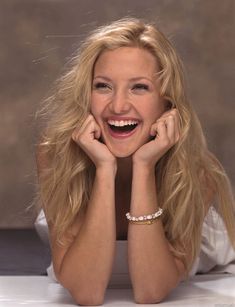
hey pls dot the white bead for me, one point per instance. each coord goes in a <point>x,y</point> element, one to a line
<point>149,217</point>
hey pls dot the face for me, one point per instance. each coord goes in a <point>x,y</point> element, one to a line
<point>125,98</point>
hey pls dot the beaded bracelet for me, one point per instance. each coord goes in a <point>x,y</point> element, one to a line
<point>144,219</point>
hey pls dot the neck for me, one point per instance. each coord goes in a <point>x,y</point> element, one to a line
<point>123,188</point>
<point>124,171</point>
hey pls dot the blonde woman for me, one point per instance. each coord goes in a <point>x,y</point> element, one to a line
<point>123,159</point>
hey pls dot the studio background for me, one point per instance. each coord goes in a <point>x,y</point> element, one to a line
<point>39,36</point>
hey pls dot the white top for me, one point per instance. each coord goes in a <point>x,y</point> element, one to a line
<point>216,255</point>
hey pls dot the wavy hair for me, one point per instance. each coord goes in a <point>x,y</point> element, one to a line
<point>182,173</point>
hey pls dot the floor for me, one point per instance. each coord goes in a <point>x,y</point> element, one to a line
<point>22,253</point>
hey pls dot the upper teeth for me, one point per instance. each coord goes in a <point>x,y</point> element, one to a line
<point>121,123</point>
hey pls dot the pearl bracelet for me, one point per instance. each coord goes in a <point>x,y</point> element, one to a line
<point>144,219</point>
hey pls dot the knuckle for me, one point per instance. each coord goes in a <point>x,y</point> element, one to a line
<point>82,140</point>
<point>166,142</point>
<point>154,126</point>
<point>74,136</point>
<point>161,122</point>
<point>89,116</point>
<point>173,113</point>
<point>177,138</point>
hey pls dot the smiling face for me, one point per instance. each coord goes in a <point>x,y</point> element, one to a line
<point>125,98</point>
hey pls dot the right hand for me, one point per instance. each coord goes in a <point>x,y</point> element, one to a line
<point>87,137</point>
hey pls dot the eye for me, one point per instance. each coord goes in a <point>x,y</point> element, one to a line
<point>101,85</point>
<point>141,87</point>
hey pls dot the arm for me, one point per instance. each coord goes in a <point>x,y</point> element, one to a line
<point>84,265</point>
<point>153,269</point>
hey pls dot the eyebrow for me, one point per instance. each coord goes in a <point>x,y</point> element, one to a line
<point>131,79</point>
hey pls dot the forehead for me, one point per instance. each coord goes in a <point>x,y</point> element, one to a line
<point>126,60</point>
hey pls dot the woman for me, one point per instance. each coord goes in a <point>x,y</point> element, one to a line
<point>123,157</point>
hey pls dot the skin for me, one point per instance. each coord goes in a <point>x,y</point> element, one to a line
<point>119,82</point>
<point>124,181</point>
<point>117,94</point>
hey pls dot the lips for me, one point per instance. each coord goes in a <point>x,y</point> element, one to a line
<point>122,128</point>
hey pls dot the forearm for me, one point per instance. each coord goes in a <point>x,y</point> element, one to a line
<point>87,264</point>
<point>152,267</point>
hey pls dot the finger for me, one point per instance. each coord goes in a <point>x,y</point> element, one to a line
<point>79,130</point>
<point>162,132</point>
<point>84,126</point>
<point>91,130</point>
<point>175,113</point>
<point>170,127</point>
<point>92,127</point>
<point>153,130</point>
<point>96,130</point>
<point>177,126</point>
<point>166,114</point>
<point>159,129</point>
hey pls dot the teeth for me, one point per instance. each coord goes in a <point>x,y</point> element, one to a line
<point>122,123</point>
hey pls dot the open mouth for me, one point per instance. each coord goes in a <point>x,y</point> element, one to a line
<point>123,127</point>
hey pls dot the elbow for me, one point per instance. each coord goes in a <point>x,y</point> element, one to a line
<point>84,294</point>
<point>153,294</point>
<point>91,298</point>
<point>146,297</point>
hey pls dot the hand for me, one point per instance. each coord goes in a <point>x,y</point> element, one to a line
<point>87,137</point>
<point>166,133</point>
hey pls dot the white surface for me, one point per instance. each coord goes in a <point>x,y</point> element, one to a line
<point>202,290</point>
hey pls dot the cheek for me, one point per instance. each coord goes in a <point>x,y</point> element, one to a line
<point>154,112</point>
<point>98,103</point>
<point>94,106</point>
<point>93,109</point>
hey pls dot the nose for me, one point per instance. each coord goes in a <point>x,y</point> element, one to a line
<point>120,103</point>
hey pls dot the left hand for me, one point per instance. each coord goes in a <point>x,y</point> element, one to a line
<point>166,132</point>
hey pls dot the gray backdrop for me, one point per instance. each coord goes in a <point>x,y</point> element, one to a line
<point>38,36</point>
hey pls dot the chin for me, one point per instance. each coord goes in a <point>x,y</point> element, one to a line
<point>122,151</point>
<point>122,154</point>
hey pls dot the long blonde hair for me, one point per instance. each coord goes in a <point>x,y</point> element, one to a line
<point>182,174</point>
